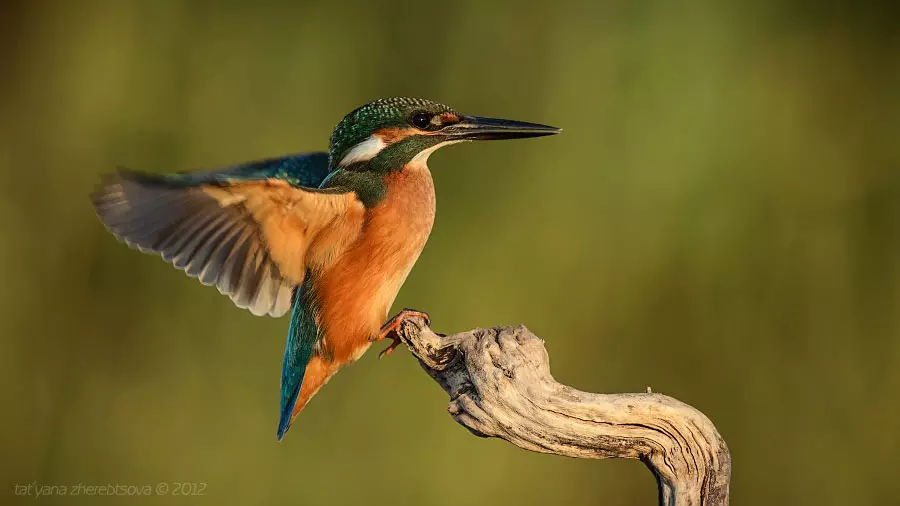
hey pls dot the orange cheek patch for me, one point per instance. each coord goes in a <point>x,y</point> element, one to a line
<point>395,134</point>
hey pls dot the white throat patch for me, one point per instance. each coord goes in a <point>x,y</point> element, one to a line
<point>365,150</point>
<point>423,155</point>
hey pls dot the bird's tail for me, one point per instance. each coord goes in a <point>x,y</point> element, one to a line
<point>304,371</point>
<point>318,372</point>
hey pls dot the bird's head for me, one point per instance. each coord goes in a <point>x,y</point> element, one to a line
<point>389,133</point>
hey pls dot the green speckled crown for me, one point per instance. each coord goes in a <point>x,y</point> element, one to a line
<point>384,112</point>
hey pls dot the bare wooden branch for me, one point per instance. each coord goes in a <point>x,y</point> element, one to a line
<point>500,385</point>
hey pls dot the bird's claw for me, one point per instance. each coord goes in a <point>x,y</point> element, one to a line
<point>393,327</point>
<point>390,349</point>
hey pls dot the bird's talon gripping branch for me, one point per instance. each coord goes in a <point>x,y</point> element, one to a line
<point>392,327</point>
<point>393,324</point>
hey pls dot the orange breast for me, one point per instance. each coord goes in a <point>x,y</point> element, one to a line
<point>357,290</point>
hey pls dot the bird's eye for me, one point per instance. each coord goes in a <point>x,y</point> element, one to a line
<point>421,120</point>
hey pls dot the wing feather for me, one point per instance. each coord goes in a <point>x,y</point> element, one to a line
<point>249,238</point>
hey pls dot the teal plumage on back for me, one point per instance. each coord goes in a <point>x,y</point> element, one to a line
<point>306,169</point>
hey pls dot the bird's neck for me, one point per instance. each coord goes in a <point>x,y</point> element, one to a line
<point>370,178</point>
<point>369,186</point>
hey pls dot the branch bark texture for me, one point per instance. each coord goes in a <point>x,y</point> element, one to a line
<point>500,385</point>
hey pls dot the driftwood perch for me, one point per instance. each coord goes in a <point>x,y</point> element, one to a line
<point>500,385</point>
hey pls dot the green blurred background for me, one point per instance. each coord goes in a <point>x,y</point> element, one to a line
<point>720,220</point>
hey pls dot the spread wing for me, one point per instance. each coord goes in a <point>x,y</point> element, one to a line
<point>247,230</point>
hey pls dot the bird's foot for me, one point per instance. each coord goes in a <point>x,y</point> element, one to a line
<point>393,326</point>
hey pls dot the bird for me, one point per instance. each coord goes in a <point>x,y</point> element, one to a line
<point>328,236</point>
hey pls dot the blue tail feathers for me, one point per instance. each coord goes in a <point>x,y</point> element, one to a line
<point>301,340</point>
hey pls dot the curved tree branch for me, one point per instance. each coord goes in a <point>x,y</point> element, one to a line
<point>500,385</point>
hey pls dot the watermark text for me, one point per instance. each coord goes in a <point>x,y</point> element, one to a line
<point>164,488</point>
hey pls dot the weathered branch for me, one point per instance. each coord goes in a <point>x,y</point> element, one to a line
<point>500,386</point>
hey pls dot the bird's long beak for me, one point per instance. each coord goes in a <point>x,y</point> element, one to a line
<point>484,129</point>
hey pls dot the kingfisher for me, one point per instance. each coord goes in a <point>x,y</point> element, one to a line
<point>330,237</point>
